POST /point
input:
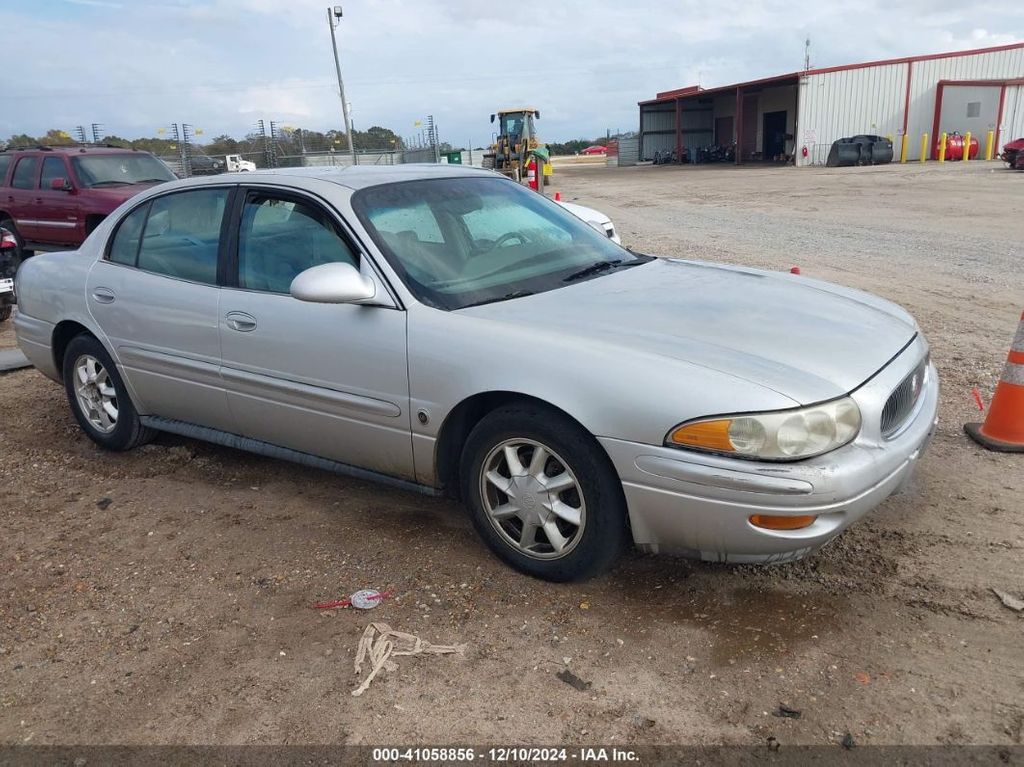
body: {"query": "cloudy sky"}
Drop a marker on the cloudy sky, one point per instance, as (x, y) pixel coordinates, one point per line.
(135, 65)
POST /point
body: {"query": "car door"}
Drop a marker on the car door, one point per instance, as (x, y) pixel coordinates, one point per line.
(155, 295)
(326, 379)
(21, 195)
(54, 210)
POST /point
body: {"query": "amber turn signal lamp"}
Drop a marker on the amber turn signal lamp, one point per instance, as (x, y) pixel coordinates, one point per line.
(773, 522)
(710, 435)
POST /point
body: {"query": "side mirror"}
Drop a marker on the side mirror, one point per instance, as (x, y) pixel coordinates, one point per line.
(60, 185)
(492, 118)
(336, 283)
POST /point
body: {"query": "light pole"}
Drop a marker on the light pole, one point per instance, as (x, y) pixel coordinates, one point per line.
(333, 19)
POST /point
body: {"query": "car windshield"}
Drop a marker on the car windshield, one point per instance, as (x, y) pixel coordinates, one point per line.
(99, 170)
(459, 242)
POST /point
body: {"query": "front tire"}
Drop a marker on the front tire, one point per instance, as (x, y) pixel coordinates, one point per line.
(99, 398)
(543, 494)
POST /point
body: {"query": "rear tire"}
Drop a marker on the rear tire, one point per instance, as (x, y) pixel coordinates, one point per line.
(99, 398)
(559, 515)
(5, 312)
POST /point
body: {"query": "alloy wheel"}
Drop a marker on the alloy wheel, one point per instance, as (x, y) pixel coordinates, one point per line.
(95, 392)
(532, 498)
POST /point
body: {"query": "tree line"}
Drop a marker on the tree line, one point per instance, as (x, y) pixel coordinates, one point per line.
(287, 141)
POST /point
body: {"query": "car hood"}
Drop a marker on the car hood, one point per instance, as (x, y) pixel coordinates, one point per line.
(807, 340)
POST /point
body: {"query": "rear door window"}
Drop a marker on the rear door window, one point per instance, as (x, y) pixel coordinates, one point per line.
(5, 164)
(182, 235)
(25, 173)
(53, 167)
(124, 248)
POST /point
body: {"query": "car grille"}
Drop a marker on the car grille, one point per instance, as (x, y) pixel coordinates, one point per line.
(901, 402)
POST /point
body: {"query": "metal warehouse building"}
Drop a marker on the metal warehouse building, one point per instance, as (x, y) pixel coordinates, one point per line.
(802, 113)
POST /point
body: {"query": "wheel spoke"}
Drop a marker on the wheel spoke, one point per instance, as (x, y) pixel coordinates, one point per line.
(554, 535)
(568, 513)
(504, 484)
(505, 511)
(82, 373)
(515, 466)
(538, 461)
(110, 408)
(106, 389)
(528, 537)
(90, 366)
(104, 418)
(559, 483)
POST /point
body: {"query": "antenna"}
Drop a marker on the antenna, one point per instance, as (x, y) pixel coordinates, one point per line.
(807, 54)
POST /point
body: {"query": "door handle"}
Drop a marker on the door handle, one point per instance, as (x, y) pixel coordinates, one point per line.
(241, 322)
(103, 295)
(39, 200)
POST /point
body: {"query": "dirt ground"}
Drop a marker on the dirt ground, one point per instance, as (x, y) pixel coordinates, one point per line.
(164, 596)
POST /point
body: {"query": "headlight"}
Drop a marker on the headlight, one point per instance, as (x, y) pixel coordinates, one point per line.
(786, 435)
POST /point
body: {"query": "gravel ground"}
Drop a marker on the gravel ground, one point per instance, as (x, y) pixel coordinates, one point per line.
(164, 596)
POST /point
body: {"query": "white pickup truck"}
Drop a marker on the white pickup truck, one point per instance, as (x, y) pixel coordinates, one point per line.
(233, 163)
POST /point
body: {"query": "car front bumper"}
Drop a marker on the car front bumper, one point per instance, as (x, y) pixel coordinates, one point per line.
(698, 504)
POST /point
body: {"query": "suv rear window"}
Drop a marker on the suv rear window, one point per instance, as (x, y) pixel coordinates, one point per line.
(25, 173)
(5, 163)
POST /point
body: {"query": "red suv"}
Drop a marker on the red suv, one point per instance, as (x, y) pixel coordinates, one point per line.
(53, 197)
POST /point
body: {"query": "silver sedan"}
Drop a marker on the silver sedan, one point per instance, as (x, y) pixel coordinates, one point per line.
(448, 331)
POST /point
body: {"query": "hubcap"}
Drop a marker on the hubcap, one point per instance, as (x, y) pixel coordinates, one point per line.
(533, 499)
(95, 392)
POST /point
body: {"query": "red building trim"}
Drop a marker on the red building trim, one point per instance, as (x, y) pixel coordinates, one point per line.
(843, 68)
(1001, 84)
(679, 129)
(935, 120)
(906, 98)
(999, 115)
(909, 59)
(739, 126)
(778, 79)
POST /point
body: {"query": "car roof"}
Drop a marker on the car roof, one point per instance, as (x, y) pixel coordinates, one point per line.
(361, 176)
(75, 149)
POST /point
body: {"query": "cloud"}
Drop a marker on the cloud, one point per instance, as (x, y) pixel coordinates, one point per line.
(95, 3)
(223, 64)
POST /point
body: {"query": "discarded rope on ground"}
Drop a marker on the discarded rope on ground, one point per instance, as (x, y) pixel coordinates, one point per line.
(380, 642)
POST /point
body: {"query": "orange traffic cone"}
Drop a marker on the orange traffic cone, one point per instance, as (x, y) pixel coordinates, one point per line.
(1003, 429)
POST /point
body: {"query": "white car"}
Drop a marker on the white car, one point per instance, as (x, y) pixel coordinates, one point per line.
(595, 218)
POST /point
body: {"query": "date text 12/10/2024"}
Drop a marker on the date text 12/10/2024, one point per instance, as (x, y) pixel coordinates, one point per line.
(504, 754)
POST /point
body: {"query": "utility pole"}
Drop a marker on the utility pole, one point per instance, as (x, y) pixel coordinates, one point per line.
(807, 54)
(333, 20)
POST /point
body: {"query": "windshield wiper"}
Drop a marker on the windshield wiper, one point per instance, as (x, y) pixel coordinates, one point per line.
(506, 297)
(598, 267)
(107, 183)
(151, 180)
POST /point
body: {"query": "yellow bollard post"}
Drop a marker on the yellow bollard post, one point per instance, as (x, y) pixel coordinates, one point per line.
(989, 143)
(967, 146)
(942, 148)
(903, 148)
(924, 147)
